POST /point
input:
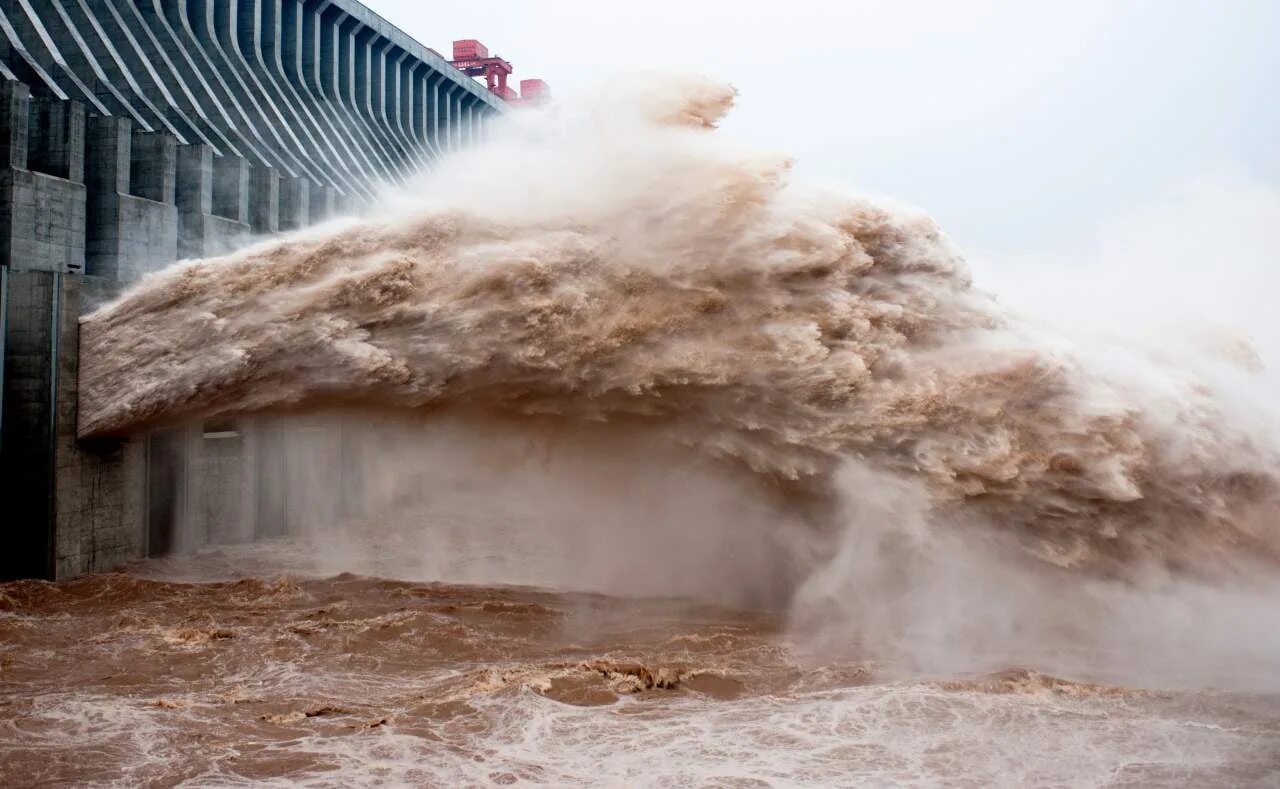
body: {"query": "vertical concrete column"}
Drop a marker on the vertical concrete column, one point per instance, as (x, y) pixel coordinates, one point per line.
(109, 148)
(56, 138)
(431, 110)
(194, 179)
(153, 166)
(264, 199)
(15, 99)
(446, 116)
(322, 204)
(455, 118)
(212, 199)
(350, 203)
(231, 188)
(42, 212)
(295, 203)
(414, 87)
(129, 235)
(194, 197)
(461, 119)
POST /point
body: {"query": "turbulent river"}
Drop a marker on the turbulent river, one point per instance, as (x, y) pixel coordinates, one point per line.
(660, 467)
(355, 680)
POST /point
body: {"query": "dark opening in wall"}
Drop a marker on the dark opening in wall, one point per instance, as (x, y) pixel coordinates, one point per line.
(55, 138)
(166, 471)
(231, 188)
(153, 159)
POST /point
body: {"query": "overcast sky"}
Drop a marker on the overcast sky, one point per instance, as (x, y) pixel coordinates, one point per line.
(1033, 130)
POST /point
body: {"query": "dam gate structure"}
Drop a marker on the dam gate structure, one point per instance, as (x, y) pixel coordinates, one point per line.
(135, 133)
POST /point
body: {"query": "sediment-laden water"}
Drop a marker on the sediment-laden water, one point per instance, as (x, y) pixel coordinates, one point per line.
(793, 501)
(354, 680)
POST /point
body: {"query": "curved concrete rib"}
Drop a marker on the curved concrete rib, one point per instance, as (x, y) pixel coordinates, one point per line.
(386, 98)
(178, 25)
(320, 89)
(24, 62)
(395, 109)
(81, 58)
(195, 25)
(244, 33)
(364, 40)
(165, 81)
(122, 40)
(206, 97)
(304, 69)
(277, 31)
(213, 20)
(100, 49)
(39, 44)
(333, 74)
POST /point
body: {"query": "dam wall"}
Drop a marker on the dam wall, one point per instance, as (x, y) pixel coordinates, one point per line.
(134, 133)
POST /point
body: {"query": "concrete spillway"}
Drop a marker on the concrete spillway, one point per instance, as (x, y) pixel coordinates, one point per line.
(134, 133)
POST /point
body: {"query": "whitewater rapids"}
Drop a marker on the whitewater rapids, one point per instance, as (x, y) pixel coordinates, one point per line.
(344, 681)
(786, 499)
(646, 270)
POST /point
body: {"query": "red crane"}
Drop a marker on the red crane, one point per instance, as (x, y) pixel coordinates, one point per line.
(472, 58)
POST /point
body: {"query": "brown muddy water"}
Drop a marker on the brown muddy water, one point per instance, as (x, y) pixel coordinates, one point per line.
(139, 679)
(935, 542)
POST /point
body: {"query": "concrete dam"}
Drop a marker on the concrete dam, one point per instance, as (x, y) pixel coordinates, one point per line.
(135, 133)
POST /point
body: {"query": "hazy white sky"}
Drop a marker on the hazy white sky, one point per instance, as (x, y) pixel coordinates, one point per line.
(1033, 130)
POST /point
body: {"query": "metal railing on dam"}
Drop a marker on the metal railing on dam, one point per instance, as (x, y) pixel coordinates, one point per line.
(134, 133)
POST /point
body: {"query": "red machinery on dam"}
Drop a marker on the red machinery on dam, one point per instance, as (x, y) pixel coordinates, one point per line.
(472, 58)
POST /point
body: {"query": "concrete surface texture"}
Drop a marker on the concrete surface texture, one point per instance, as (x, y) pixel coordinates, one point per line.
(134, 133)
